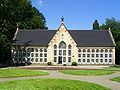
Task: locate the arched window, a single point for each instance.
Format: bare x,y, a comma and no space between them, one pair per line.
62,45
69,46
106,50
97,50
101,50
110,50
88,50
79,50
93,50
84,50
55,46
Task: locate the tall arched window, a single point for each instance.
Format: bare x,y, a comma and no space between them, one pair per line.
62,45
55,50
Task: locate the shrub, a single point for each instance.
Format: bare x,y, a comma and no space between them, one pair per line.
49,63
74,63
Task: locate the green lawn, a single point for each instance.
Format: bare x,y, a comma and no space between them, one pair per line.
116,79
112,68
49,84
87,72
19,73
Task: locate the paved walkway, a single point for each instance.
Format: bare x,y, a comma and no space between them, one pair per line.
103,80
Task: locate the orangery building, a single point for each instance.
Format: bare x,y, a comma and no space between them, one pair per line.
63,46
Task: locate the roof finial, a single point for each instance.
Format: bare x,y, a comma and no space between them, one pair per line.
62,19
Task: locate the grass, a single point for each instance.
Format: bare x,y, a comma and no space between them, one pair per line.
87,72
112,68
49,84
7,73
116,79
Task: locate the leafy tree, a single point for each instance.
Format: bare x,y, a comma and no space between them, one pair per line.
114,25
17,12
96,25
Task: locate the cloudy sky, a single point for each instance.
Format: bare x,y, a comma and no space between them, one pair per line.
78,14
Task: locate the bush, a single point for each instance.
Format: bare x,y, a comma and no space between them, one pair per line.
49,63
74,64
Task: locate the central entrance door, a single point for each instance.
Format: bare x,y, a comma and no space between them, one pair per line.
60,60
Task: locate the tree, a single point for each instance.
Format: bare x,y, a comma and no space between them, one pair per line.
114,25
96,25
17,12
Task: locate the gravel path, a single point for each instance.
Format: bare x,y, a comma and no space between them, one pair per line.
103,80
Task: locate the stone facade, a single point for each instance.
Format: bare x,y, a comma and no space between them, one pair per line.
63,50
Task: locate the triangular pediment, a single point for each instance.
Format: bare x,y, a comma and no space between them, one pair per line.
62,34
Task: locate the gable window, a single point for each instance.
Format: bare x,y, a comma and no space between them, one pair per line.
62,45
55,46
69,46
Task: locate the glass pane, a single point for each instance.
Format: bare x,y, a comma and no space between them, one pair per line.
32,54
36,55
79,60
64,52
69,47
41,55
69,52
62,45
60,52
45,59
55,52
40,59
64,59
36,60
45,54
55,59
69,59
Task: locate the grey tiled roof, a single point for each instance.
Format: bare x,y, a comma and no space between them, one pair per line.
92,38
83,38
37,37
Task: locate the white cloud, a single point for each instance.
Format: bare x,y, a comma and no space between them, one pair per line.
40,2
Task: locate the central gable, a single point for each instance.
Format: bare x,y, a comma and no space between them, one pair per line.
62,34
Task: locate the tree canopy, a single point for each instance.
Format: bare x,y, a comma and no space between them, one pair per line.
21,13
114,26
